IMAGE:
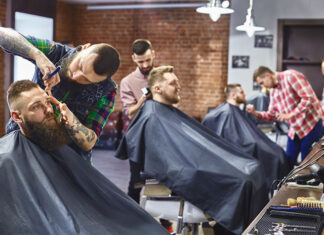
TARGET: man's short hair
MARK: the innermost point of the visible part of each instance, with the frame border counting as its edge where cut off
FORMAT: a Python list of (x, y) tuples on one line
[(156, 75), (230, 88), (140, 46), (16, 88), (107, 61), (260, 71)]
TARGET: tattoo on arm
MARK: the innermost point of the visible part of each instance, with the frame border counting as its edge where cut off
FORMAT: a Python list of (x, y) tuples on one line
[(91, 137), (15, 44), (78, 128)]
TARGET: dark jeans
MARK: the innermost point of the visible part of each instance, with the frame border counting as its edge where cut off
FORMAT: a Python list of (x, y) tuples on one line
[(303, 145), (135, 170)]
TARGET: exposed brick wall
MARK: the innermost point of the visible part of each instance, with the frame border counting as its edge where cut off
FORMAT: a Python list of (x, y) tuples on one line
[(64, 22), (2, 91), (197, 47)]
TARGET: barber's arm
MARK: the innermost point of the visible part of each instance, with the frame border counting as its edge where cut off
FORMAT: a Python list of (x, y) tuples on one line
[(81, 135), (268, 116), (133, 109), (130, 104), (13, 42)]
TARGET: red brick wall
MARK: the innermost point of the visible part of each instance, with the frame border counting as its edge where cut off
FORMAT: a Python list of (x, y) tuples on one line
[(64, 22), (196, 46), (3, 103)]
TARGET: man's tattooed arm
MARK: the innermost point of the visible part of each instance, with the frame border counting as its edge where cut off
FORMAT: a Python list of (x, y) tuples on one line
[(84, 137), (14, 42)]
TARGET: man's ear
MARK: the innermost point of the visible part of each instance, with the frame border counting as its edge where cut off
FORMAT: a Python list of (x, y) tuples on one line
[(157, 89), (133, 58), (153, 54), (233, 95), (16, 116), (85, 46)]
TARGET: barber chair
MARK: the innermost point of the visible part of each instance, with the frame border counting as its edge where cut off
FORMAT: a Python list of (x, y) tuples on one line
[(159, 202)]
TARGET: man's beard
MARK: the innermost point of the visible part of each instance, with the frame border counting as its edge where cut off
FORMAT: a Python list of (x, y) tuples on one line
[(146, 72), (69, 84), (241, 100), (48, 137), (173, 99)]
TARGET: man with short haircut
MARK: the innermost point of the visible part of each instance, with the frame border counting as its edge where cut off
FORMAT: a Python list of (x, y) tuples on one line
[(293, 100), (235, 94), (133, 98), (192, 161), (130, 86), (235, 126), (84, 82), (164, 85), (30, 107), (46, 189)]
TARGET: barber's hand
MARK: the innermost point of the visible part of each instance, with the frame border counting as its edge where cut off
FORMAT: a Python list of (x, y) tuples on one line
[(149, 96), (284, 116), (46, 67), (67, 115), (250, 108), (142, 99)]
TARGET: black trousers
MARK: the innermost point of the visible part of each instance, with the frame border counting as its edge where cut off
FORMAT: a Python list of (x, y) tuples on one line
[(135, 170)]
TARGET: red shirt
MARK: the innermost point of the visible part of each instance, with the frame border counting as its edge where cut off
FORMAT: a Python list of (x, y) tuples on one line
[(294, 94)]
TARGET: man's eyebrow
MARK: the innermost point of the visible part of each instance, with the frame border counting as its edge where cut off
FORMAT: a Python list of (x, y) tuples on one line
[(80, 66), (36, 102)]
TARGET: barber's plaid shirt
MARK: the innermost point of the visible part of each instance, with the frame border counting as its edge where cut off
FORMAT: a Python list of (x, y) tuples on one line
[(98, 114), (294, 94)]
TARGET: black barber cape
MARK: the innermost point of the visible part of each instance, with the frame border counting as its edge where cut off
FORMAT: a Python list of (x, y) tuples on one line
[(59, 193), (196, 164), (231, 123)]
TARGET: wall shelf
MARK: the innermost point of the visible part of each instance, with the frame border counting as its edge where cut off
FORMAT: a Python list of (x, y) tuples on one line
[(302, 39), (317, 63)]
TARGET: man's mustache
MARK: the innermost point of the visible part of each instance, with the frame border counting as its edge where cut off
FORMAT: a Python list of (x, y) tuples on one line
[(48, 117)]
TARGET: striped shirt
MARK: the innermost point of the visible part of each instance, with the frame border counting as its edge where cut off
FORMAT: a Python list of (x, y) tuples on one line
[(294, 94)]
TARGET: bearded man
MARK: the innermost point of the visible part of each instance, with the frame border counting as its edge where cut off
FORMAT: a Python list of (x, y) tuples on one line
[(192, 161), (84, 82), (131, 95), (46, 189), (31, 109), (235, 126)]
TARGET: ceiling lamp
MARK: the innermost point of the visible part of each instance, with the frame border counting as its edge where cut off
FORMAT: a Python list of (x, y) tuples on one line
[(248, 25), (215, 8)]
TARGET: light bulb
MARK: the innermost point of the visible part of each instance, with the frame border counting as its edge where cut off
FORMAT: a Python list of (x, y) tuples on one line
[(225, 4), (214, 14), (250, 31)]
